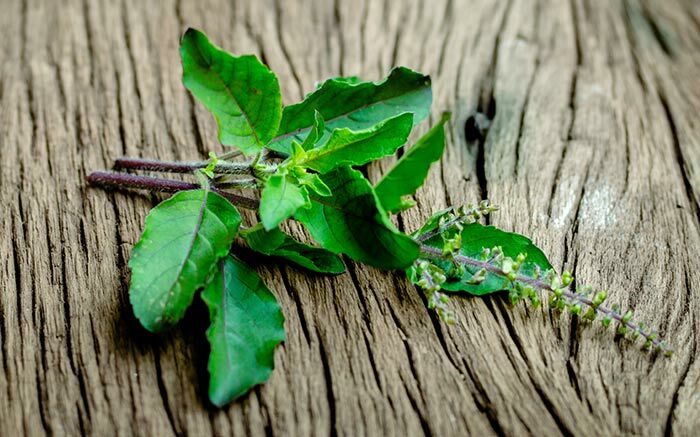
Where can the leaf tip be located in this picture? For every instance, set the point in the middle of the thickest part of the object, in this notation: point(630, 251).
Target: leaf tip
point(189, 34)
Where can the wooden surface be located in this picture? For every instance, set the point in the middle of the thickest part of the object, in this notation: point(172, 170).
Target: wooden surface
point(594, 151)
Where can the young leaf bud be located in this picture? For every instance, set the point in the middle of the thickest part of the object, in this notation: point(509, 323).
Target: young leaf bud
point(627, 317)
point(485, 252)
point(566, 278)
point(561, 304)
point(591, 314)
point(600, 298)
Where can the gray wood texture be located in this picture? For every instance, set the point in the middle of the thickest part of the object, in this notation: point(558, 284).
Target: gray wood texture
point(594, 152)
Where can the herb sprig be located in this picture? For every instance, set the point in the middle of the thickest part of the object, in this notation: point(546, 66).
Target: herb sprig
point(301, 159)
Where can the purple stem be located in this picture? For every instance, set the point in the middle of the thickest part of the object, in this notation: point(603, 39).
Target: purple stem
point(541, 285)
point(125, 180)
point(127, 163)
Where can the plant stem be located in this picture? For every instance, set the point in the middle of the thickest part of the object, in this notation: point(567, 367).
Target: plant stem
point(237, 183)
point(128, 163)
point(541, 285)
point(125, 180)
point(230, 154)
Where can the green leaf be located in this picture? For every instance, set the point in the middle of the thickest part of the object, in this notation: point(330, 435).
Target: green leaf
point(241, 92)
point(351, 221)
point(277, 243)
point(315, 184)
point(246, 326)
point(316, 132)
point(349, 103)
point(311, 181)
point(410, 172)
point(280, 199)
point(181, 242)
point(347, 147)
point(476, 237)
point(348, 79)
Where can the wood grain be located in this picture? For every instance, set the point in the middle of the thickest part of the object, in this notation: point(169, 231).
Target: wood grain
point(594, 151)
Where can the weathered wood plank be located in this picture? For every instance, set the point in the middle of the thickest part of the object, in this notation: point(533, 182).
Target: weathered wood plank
point(594, 151)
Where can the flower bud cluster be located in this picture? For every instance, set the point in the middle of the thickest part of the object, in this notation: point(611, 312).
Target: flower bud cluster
point(492, 264)
point(510, 269)
point(561, 297)
point(431, 280)
point(466, 214)
point(457, 218)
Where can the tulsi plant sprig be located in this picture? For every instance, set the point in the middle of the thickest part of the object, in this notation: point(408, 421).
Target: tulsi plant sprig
point(302, 161)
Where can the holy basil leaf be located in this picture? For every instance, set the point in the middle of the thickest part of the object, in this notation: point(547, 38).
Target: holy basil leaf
point(348, 79)
point(182, 240)
point(410, 172)
point(346, 147)
point(246, 324)
point(476, 237)
point(349, 103)
point(316, 132)
point(280, 199)
point(351, 221)
point(277, 243)
point(314, 183)
point(241, 92)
